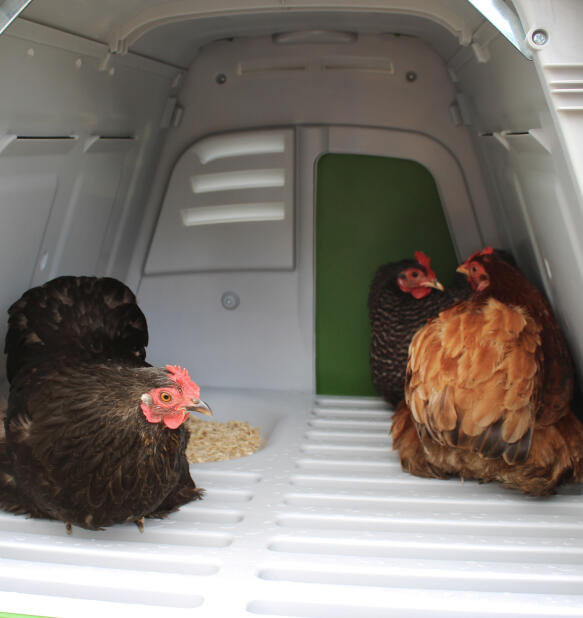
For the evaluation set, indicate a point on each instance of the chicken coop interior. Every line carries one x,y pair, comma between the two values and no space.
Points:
244,166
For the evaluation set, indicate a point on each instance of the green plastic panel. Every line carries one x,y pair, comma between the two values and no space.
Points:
369,210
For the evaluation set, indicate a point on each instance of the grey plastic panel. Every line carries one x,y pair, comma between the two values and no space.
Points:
26,198
88,212
93,122
229,178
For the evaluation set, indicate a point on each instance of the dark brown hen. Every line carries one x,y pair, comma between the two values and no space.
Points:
78,317
401,300
93,435
489,386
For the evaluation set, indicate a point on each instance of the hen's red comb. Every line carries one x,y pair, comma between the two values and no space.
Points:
183,379
484,251
425,261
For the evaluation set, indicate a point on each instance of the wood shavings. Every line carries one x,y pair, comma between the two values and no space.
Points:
216,441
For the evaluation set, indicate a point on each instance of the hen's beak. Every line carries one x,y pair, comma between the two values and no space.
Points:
198,405
432,283
462,268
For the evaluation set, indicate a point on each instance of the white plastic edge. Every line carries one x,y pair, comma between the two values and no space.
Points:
179,10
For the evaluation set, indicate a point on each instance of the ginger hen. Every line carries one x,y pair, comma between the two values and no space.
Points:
93,435
402,298
488,388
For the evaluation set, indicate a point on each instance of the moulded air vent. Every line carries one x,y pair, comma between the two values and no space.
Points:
233,213
238,145
229,206
238,179
261,65
356,63
336,63
11,144
566,84
314,36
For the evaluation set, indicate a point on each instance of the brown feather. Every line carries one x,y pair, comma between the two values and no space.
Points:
442,415
517,423
485,359
488,408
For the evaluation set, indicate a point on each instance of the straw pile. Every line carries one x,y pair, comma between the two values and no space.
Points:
215,441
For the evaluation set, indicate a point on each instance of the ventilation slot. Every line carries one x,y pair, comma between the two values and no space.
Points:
566,84
28,145
350,63
314,36
254,67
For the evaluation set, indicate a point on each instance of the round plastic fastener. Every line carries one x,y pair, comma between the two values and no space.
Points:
230,300
538,37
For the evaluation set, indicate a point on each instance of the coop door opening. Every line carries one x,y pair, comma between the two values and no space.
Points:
369,210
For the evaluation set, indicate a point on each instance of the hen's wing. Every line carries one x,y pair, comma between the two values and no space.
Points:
184,492
87,317
558,387
474,379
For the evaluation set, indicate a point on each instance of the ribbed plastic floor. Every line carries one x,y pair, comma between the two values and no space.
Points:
321,522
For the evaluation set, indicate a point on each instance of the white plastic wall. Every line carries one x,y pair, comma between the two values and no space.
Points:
526,118
352,86
78,139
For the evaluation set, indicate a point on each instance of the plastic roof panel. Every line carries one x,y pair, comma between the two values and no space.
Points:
146,26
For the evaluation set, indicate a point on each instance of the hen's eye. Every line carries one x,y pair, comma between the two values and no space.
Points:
414,274
474,269
165,397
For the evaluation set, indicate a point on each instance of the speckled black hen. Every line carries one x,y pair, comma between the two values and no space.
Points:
403,296
93,435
